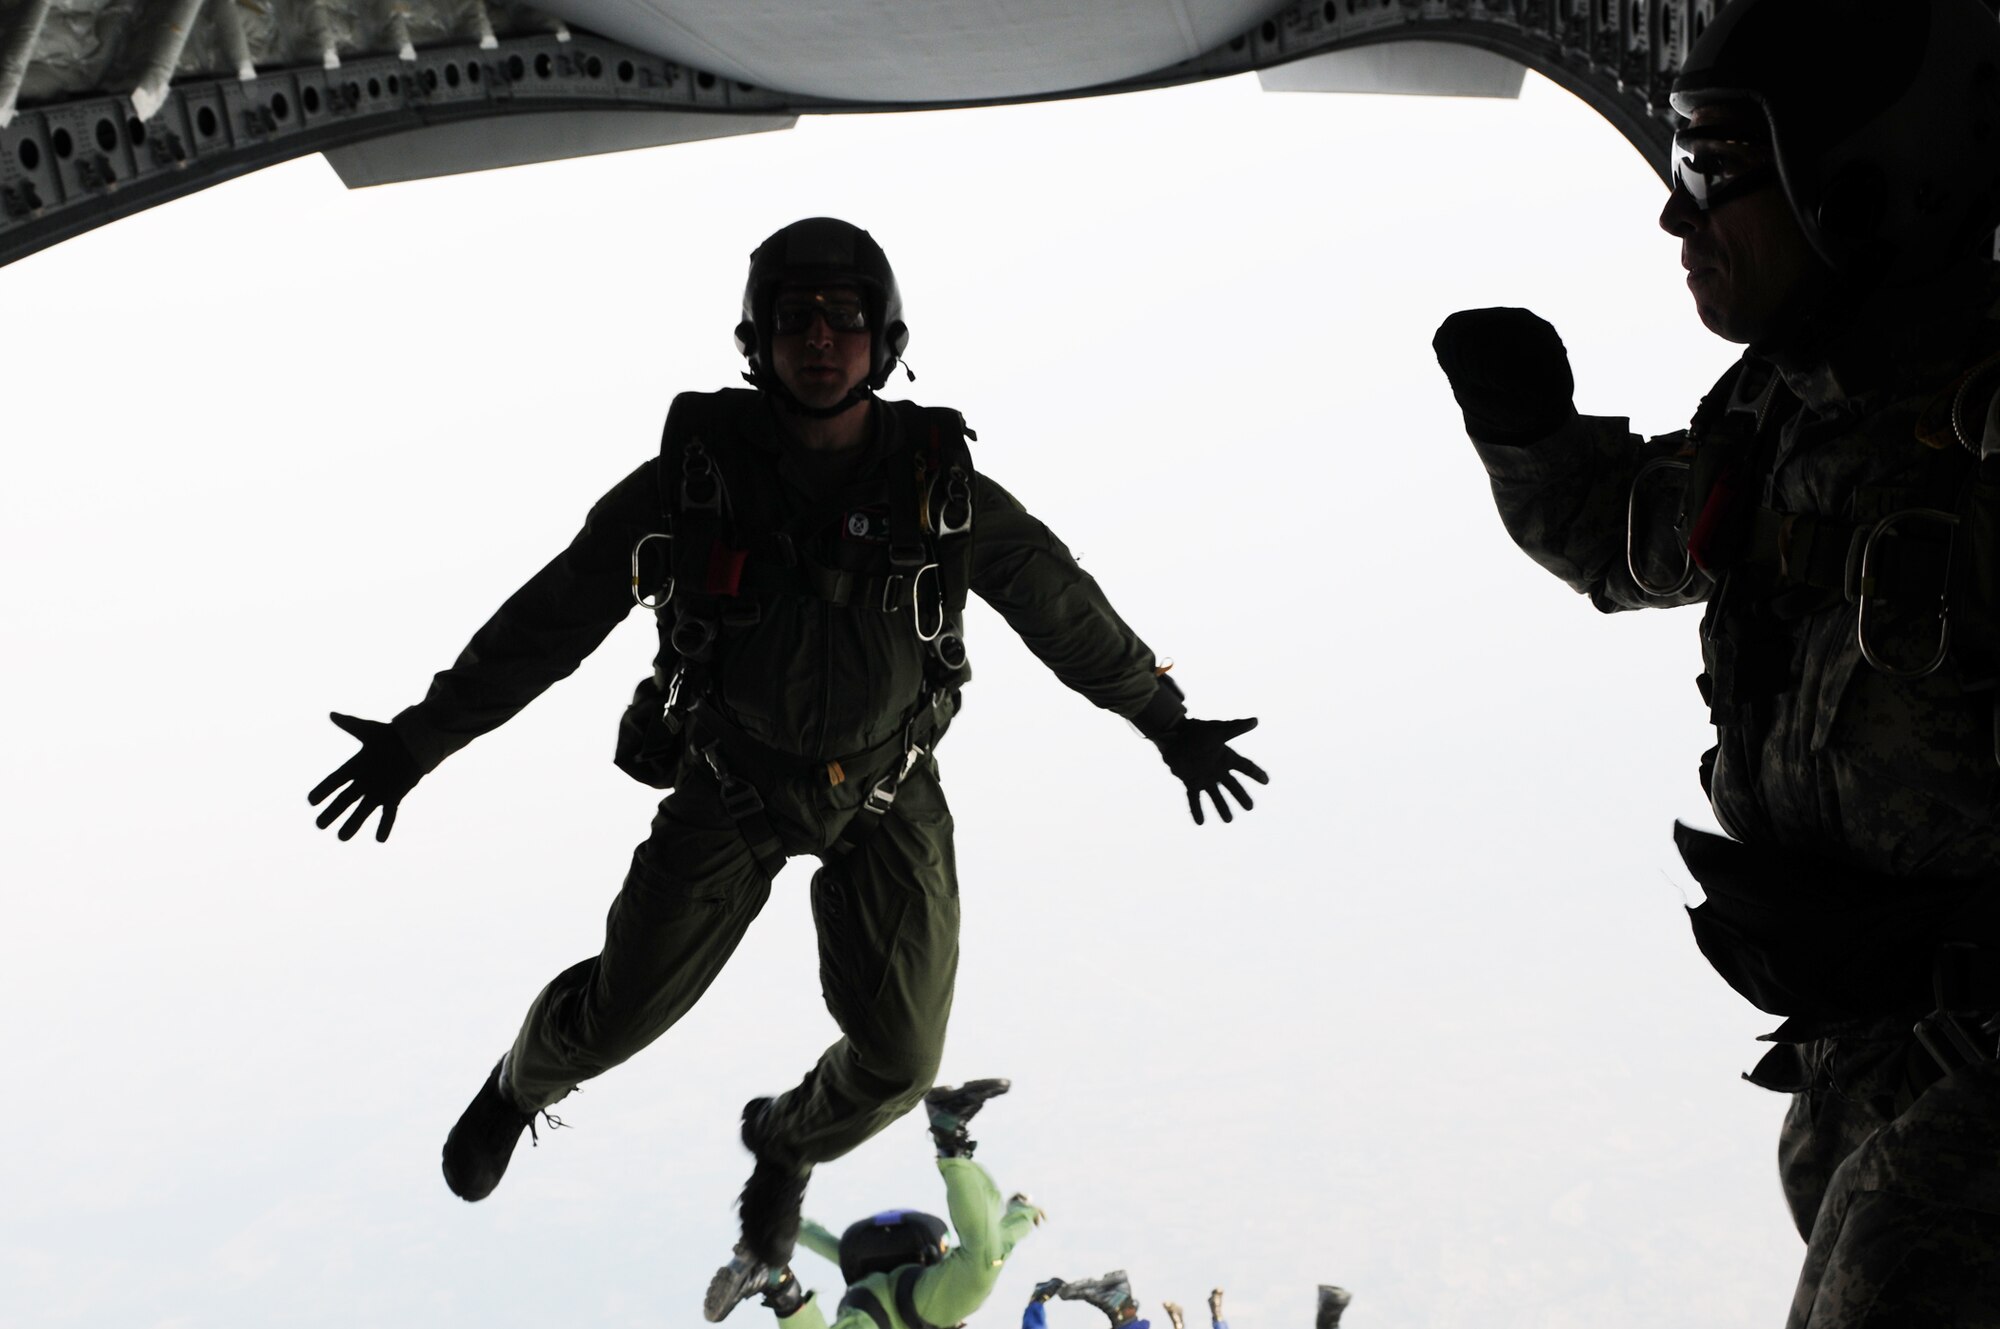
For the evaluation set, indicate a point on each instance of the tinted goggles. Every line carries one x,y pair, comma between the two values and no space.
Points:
795,314
1712,168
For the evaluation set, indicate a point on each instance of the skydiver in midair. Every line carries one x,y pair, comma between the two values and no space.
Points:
1110,1293
899,1267
1332,1302
808,549
1836,505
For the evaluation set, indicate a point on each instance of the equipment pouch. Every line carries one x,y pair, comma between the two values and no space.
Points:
1797,937
650,745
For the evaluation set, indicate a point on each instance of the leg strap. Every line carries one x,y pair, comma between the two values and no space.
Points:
745,807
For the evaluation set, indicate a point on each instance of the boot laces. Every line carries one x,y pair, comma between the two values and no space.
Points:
555,1124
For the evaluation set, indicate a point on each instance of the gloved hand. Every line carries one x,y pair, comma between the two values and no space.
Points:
1048,1287
1019,1200
378,776
1510,374
1198,752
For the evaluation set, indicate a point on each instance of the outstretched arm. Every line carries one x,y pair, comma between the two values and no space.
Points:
819,1240
540,635
1021,569
956,1286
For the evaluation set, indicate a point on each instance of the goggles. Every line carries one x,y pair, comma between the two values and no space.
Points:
793,314
1711,168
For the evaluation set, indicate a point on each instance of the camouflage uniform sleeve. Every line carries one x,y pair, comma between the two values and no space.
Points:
1021,569
1564,500
543,631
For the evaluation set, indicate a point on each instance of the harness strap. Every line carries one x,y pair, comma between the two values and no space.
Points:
886,593
904,1290
1805,549
764,764
864,1300
727,551
740,798
906,1297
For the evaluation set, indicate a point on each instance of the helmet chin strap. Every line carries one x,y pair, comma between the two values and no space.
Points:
781,394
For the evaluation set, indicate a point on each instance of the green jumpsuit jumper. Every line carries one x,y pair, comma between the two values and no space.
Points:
815,683
947,1292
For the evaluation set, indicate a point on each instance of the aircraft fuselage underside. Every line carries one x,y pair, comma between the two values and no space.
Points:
75,160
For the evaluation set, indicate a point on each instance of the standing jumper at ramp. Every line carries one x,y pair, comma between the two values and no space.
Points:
1836,504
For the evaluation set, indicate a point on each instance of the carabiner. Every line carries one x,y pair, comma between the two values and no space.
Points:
1866,595
917,604
1658,592
660,603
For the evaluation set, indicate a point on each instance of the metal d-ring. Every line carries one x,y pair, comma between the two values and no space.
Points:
1867,595
917,604
1658,592
637,596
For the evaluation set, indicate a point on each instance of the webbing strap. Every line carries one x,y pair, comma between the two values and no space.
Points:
740,798
905,1291
865,1301
906,1297
842,589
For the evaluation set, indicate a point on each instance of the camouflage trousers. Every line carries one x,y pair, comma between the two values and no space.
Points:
1893,1178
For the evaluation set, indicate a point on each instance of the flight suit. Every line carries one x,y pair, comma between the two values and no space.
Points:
1864,808
945,1293
824,691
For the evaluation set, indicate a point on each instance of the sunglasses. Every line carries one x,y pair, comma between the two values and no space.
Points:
791,316
1711,168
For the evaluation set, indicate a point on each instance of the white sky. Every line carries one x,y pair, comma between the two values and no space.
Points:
1428,1023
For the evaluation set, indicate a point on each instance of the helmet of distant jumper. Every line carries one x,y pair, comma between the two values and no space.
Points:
891,1240
823,251
1884,118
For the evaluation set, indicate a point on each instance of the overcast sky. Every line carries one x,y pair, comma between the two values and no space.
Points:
1428,1023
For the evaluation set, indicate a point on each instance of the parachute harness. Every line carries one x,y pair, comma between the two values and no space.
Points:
726,548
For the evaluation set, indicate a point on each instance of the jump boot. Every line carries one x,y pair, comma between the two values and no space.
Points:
477,1150
1175,1316
1332,1301
950,1109
1111,1294
744,1277
771,1199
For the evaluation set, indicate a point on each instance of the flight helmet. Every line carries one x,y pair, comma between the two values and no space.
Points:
1884,121
889,1241
823,250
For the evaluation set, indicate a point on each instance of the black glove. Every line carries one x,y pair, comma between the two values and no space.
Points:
376,777
1047,1288
1510,374
1198,752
